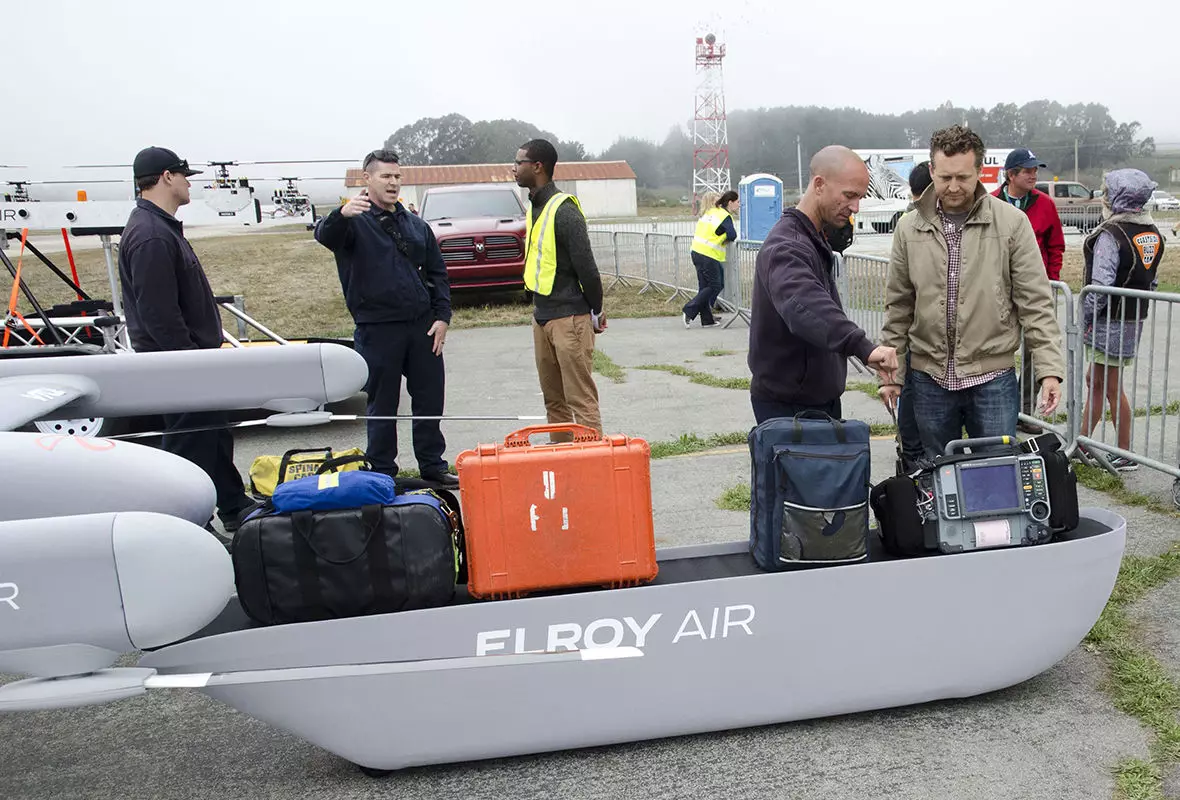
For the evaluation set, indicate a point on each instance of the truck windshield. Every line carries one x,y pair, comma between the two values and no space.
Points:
460,205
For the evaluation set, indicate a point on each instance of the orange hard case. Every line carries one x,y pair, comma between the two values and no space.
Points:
557,515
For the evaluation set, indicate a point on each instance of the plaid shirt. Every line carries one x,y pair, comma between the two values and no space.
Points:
954,382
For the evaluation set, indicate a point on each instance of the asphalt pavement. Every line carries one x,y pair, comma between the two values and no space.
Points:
1054,736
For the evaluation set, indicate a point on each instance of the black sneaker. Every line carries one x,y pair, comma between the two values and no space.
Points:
235,520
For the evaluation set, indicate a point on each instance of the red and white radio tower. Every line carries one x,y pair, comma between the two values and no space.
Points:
710,156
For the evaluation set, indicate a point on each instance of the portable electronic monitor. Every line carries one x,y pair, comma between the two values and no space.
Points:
990,502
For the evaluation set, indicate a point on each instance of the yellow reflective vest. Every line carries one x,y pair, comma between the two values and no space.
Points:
706,240
540,255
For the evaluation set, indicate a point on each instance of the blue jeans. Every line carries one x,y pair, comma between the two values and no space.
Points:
987,410
907,423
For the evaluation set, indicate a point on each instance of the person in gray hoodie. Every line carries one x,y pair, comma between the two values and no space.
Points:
1124,251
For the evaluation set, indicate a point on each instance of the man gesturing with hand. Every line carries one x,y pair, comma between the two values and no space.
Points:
396,289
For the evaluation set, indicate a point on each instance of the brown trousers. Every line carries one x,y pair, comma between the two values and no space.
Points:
564,349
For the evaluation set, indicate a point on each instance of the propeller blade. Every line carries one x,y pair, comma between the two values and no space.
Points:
91,180
307,161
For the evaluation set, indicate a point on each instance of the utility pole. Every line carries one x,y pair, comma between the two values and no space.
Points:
1075,159
799,157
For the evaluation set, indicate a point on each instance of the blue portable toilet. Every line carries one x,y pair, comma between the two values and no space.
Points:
761,197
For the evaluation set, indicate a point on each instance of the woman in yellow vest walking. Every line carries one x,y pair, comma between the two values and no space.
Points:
714,229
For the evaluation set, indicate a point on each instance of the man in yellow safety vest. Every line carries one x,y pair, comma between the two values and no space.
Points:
561,275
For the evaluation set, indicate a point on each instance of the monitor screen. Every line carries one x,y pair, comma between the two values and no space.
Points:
990,488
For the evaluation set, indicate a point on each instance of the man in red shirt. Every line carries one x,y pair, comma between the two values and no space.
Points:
1019,189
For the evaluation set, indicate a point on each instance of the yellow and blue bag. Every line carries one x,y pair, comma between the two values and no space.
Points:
267,472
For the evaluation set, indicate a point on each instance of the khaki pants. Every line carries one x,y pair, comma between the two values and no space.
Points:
564,349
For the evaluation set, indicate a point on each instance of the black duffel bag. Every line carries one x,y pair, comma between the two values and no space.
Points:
905,532
315,565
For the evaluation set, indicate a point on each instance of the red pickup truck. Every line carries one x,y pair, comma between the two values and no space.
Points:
480,230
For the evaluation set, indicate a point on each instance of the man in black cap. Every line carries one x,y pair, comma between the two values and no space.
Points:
168,305
1020,189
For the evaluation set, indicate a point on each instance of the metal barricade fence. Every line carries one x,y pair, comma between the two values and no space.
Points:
1118,352
737,290
1084,218
631,256
668,227
1063,419
861,282
602,244
660,255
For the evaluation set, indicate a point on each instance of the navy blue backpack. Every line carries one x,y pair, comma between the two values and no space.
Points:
809,491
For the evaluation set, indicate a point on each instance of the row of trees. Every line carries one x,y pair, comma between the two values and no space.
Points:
764,139
454,139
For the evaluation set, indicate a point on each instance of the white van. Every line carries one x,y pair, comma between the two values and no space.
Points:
889,183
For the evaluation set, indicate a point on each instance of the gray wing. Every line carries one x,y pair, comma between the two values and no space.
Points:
27,398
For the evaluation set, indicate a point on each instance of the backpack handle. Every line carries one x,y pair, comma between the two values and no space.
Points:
841,436
332,464
285,461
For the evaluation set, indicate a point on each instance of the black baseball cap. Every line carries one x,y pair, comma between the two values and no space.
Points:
1022,158
158,160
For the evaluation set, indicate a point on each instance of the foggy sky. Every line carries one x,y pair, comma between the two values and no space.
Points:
301,80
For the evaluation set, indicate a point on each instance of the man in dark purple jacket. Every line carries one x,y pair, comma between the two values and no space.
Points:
800,338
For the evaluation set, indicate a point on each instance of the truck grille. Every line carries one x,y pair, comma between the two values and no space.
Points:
468,250
503,248
458,250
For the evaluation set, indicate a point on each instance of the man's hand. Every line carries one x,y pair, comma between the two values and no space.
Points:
889,394
439,331
598,321
1050,395
884,360
357,205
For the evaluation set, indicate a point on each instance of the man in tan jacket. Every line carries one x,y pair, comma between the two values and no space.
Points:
965,276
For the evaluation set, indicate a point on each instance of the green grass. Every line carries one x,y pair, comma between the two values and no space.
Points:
607,368
735,498
719,352
1100,480
1137,780
691,443
1138,684
701,378
865,388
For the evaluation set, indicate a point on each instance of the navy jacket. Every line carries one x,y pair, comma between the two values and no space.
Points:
167,301
800,338
382,283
